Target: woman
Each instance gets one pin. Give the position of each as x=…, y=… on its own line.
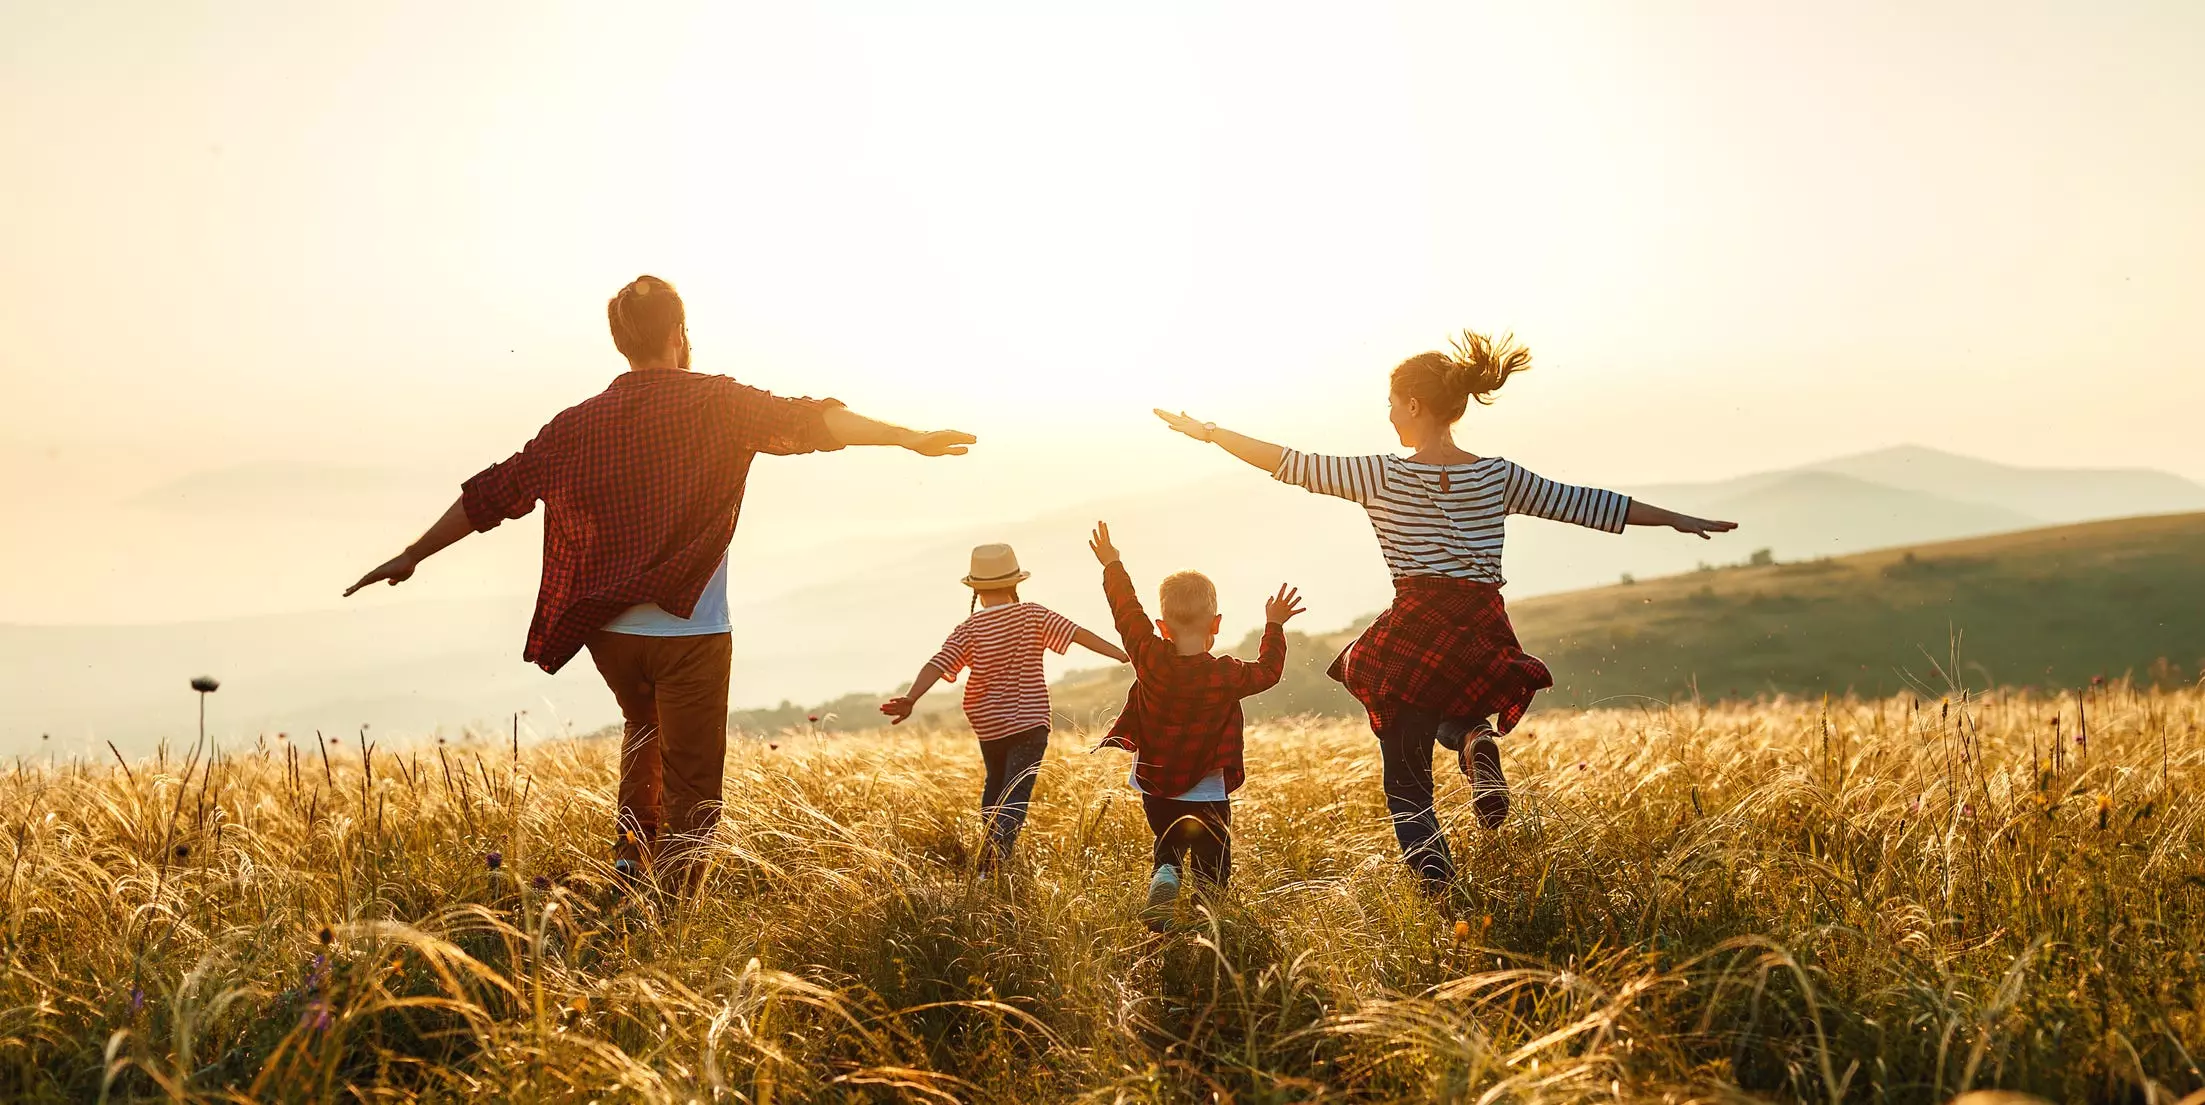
x=1442, y=662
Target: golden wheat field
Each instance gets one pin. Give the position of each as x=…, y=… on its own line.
x=1859, y=901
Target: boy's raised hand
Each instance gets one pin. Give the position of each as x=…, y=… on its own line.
x=1099, y=543
x=1282, y=606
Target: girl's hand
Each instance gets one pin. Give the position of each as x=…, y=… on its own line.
x=1705, y=528
x=1282, y=606
x=1186, y=424
x=898, y=708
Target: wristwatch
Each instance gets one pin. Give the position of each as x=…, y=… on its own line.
x=1209, y=431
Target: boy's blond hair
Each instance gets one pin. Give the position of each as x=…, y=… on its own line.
x=1187, y=598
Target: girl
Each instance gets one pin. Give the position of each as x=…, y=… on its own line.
x=1007, y=700
x=1442, y=662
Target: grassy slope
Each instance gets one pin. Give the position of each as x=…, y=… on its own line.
x=2046, y=607
x=1737, y=903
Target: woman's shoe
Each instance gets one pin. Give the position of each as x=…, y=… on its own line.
x=1481, y=761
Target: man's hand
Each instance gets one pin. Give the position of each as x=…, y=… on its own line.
x=1099, y=541
x=396, y=570
x=939, y=443
x=1282, y=606
x=1703, y=527
x=898, y=708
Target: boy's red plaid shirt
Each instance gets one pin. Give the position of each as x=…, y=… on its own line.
x=642, y=485
x=1182, y=716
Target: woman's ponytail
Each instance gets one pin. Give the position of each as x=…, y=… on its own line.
x=1476, y=368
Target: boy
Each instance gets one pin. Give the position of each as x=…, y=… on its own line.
x=1182, y=716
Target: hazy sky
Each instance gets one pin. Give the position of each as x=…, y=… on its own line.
x=1736, y=235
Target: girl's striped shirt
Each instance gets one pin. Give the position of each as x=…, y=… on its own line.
x=1446, y=519
x=1007, y=694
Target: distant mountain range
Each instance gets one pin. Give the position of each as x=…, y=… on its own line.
x=815, y=621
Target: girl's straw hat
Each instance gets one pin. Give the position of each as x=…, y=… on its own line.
x=994, y=567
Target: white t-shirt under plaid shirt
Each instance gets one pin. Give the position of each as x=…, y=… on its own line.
x=1007, y=694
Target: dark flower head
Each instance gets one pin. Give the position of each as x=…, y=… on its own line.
x=205, y=684
x=137, y=998
x=773, y=746
x=326, y=936
x=814, y=719
x=183, y=851
x=540, y=884
x=495, y=860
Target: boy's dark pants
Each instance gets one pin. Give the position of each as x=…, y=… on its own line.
x=1204, y=846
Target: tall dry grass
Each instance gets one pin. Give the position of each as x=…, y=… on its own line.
x=1869, y=901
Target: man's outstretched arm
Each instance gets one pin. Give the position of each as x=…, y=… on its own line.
x=398, y=569
x=852, y=428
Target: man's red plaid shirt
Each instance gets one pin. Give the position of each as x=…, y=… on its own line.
x=1182, y=716
x=642, y=484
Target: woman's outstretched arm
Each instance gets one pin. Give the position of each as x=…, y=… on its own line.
x=1262, y=454
x=1647, y=514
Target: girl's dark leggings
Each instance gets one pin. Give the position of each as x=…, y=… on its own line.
x=1013, y=763
x=1405, y=750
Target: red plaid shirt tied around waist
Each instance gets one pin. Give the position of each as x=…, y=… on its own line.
x=1445, y=645
x=1182, y=716
x=642, y=484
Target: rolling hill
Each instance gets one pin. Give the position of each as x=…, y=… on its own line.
x=829, y=597
x=2048, y=607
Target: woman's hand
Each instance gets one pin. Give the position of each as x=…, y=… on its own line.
x=1704, y=528
x=1186, y=424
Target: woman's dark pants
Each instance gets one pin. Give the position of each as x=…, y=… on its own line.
x=1405, y=750
x=1013, y=764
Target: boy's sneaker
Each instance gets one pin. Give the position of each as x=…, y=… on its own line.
x=1481, y=761
x=1163, y=893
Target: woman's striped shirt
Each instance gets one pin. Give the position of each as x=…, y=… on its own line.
x=1007, y=694
x=1446, y=519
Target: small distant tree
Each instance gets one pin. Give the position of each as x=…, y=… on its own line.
x=1629, y=579
x=1762, y=558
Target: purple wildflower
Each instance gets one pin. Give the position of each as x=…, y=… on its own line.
x=495, y=860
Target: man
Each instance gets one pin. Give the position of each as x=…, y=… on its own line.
x=642, y=485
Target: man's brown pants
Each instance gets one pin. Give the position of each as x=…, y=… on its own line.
x=673, y=743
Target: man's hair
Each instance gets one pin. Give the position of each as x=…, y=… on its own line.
x=642, y=316
x=1187, y=598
